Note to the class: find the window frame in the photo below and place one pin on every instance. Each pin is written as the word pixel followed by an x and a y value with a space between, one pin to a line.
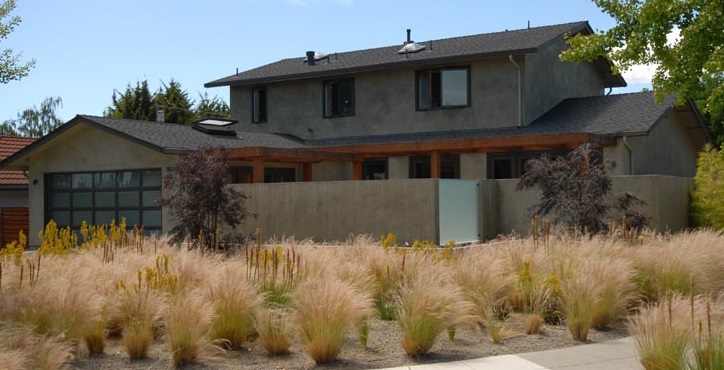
pixel 259 103
pixel 517 160
pixel 439 81
pixel 94 189
pixel 327 110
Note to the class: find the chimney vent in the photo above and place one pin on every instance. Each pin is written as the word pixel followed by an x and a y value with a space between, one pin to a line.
pixel 408 37
pixel 310 58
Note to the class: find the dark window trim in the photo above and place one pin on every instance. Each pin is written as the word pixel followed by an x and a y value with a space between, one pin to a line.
pixel 518 160
pixel 48 191
pixel 440 69
pixel 254 117
pixel 325 83
pixel 378 160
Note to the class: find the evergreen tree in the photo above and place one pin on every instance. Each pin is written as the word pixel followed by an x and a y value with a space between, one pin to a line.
pixel 175 103
pixel 134 103
pixel 211 107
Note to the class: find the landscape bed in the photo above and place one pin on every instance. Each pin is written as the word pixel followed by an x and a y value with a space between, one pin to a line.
pixel 365 304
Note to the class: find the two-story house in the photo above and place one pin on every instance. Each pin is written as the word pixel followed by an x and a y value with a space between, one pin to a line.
pixel 472 107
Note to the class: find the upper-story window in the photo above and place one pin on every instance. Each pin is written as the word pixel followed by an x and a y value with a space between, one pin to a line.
pixel 443 88
pixel 258 105
pixel 339 98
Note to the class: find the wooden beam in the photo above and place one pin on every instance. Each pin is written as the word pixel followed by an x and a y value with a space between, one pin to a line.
pixel 485 144
pixel 435 165
pixel 257 170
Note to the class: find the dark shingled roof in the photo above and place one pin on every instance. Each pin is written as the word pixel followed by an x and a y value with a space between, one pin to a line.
pixel 437 51
pixel 632 114
pixel 182 138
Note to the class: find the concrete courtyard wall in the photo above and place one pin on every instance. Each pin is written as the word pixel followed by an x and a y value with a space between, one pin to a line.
pixel 336 210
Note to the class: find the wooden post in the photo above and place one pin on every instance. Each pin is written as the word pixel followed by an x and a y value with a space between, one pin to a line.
pixel 258 170
pixel 306 172
pixel 357 170
pixel 435 165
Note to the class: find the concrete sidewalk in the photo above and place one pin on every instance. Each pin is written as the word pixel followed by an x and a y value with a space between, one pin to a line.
pixel 616 354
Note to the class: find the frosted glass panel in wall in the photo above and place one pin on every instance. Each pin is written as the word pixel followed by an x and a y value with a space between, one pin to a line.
pixel 458 211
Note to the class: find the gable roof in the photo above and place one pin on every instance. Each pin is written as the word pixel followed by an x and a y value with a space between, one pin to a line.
pixel 167 138
pixel 9 145
pixel 463 48
pixel 180 139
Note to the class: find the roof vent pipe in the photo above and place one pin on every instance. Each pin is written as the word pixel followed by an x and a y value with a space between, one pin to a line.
pixel 310 58
pixel 408 37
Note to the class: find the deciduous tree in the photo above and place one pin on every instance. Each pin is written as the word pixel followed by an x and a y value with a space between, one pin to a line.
pixel 11 68
pixel 201 203
pixel 35 121
pixel 690 66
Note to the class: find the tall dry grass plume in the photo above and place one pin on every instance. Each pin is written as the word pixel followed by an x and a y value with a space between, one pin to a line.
pixel 21 348
pixel 188 321
pixel 427 305
pixel 275 329
pixel 325 310
pixel 234 300
pixel 662 331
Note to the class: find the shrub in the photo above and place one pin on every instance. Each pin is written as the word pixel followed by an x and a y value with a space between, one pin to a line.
pixel 275 330
pixel 707 201
pixel 234 300
pixel 326 309
pixel 576 190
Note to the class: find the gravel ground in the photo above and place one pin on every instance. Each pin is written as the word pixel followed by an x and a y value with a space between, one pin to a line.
pixel 384 350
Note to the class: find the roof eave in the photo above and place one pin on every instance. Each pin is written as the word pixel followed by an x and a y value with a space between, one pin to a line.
pixel 370 68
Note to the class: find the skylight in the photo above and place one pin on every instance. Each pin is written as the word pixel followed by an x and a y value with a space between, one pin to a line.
pixel 219 122
pixel 412 47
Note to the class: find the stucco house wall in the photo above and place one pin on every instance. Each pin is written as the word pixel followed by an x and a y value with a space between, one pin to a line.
pixel 667 150
pixel 83 148
pixel 548 80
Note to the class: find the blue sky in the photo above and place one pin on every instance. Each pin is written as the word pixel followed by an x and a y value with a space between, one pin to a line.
pixel 86 49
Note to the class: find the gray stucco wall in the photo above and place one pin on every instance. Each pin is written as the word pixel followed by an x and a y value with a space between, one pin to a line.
pixel 667 198
pixel 385 100
pixel 548 80
pixel 86 149
pixel 668 149
pixel 337 210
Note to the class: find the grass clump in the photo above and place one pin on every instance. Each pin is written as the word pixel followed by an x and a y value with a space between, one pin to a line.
pixel 275 330
pixel 234 301
pixel 579 296
pixel 427 305
pixel 188 321
pixel 21 348
pixel 325 310
pixel 662 334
